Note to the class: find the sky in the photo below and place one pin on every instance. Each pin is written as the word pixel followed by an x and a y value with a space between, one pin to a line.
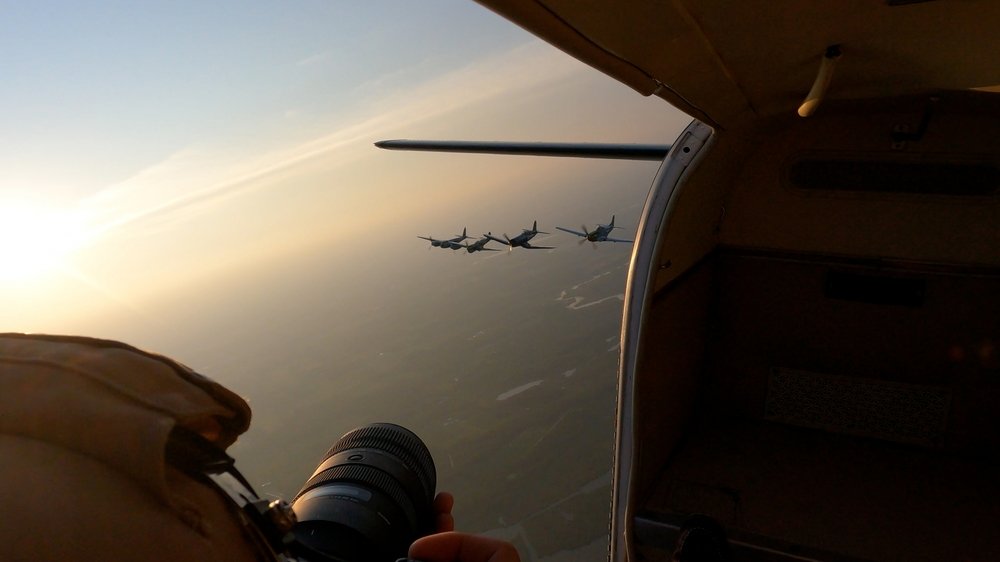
pixel 155 149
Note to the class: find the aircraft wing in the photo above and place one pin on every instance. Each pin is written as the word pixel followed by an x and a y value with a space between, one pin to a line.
pixel 577 232
pixel 617 240
pixel 577 150
pixel 426 238
pixel 530 247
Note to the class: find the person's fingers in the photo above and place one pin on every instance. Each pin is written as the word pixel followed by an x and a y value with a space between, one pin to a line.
pixel 444 502
pixel 462 547
pixel 444 521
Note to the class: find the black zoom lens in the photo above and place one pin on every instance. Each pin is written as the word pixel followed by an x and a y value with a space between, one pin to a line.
pixel 370 497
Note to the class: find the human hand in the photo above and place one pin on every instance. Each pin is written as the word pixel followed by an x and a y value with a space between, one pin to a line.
pixel 443 519
pixel 462 547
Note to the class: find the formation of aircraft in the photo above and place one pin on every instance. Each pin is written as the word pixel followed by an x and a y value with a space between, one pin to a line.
pixel 452 243
pixel 599 234
pixel 523 240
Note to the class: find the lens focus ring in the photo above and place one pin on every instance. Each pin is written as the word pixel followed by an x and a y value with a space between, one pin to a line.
pixel 397 441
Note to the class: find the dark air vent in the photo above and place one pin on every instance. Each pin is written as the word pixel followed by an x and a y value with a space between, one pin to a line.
pixel 922 178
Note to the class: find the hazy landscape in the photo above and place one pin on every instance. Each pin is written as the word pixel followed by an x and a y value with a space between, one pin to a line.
pixel 507 374
pixel 504 363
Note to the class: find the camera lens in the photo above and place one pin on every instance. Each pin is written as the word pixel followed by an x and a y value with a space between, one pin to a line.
pixel 369 498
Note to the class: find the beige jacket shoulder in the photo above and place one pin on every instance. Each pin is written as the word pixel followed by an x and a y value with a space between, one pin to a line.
pixel 84 425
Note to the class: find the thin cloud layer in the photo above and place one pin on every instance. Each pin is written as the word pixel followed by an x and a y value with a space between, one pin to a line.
pixel 196 180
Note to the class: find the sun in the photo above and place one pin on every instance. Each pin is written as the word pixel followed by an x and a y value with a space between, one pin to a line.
pixel 36 240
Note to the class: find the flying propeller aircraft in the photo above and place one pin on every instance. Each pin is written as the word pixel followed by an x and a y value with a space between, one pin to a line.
pixel 480 245
pixel 452 243
pixel 521 239
pixel 599 234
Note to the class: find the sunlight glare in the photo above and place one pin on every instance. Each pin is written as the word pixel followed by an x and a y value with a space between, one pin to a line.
pixel 36 240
